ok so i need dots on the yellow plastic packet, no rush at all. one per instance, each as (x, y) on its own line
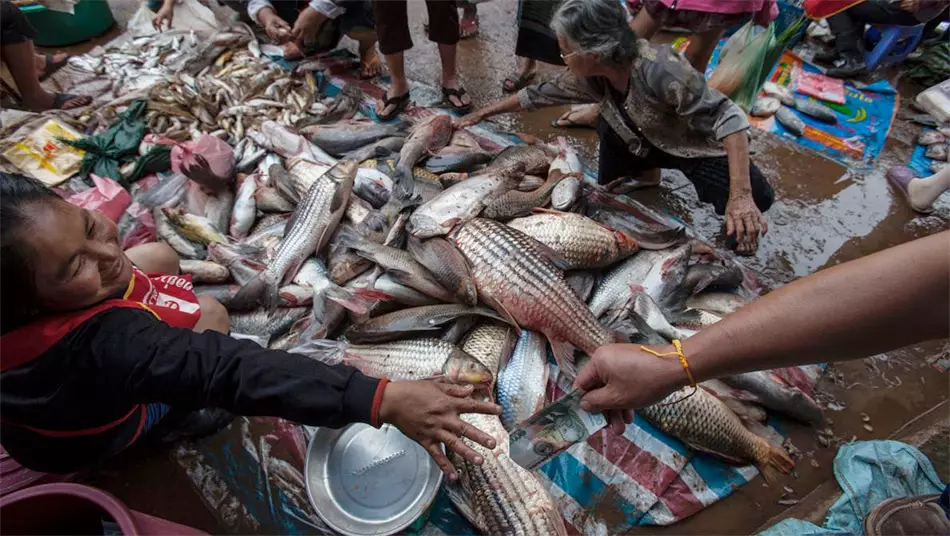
(43, 156)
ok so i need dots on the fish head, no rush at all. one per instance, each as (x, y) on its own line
(461, 367)
(424, 226)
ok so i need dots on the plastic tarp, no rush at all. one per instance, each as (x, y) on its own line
(868, 472)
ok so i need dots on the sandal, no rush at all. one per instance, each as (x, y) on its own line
(62, 99)
(448, 93)
(52, 66)
(399, 106)
(510, 85)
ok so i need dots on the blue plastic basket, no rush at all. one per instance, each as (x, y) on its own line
(788, 14)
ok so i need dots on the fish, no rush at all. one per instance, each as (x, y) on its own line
(765, 107)
(530, 183)
(245, 208)
(530, 159)
(658, 273)
(282, 140)
(268, 199)
(643, 305)
(204, 271)
(373, 186)
(567, 160)
(218, 210)
(937, 151)
(782, 93)
(705, 424)
(270, 323)
(566, 193)
(523, 382)
(167, 232)
(345, 105)
(930, 137)
(242, 268)
(194, 228)
(447, 265)
(459, 329)
(695, 319)
(399, 264)
(581, 282)
(524, 281)
(450, 160)
(650, 229)
(787, 118)
(349, 135)
(491, 343)
(382, 148)
(402, 293)
(309, 229)
(406, 360)
(719, 303)
(459, 203)
(579, 240)
(417, 321)
(426, 137)
(773, 393)
(222, 293)
(813, 108)
(514, 203)
(331, 300)
(295, 295)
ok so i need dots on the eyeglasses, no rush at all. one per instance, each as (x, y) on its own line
(568, 55)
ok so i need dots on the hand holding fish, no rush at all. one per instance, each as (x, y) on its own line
(622, 376)
(306, 26)
(745, 221)
(277, 28)
(165, 13)
(428, 412)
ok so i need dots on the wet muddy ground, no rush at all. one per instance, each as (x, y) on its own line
(824, 215)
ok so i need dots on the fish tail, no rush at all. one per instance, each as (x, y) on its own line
(773, 461)
(256, 292)
(325, 350)
(404, 182)
(350, 238)
(358, 300)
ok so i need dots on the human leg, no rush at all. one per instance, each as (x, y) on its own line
(214, 316)
(444, 30)
(710, 178)
(701, 47)
(359, 24)
(527, 69)
(615, 160)
(920, 192)
(154, 258)
(392, 28)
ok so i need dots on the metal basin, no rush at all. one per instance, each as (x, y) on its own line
(362, 480)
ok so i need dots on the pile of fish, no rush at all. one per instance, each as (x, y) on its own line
(410, 251)
(936, 145)
(340, 245)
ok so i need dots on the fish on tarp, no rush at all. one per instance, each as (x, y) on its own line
(579, 240)
(567, 160)
(937, 151)
(383, 148)
(930, 137)
(765, 107)
(244, 211)
(418, 321)
(705, 424)
(402, 293)
(530, 159)
(194, 228)
(817, 110)
(523, 381)
(272, 323)
(405, 360)
(658, 273)
(426, 137)
(566, 193)
(719, 303)
(349, 135)
(447, 265)
(773, 393)
(167, 232)
(524, 281)
(491, 343)
(309, 229)
(204, 271)
(513, 203)
(650, 229)
(460, 203)
(787, 118)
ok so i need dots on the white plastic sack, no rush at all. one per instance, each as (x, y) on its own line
(189, 15)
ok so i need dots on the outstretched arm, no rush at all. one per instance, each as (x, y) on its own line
(884, 301)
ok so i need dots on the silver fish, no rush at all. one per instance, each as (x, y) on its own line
(426, 137)
(204, 271)
(401, 293)
(184, 247)
(349, 135)
(459, 203)
(418, 321)
(775, 394)
(522, 383)
(657, 273)
(245, 208)
(566, 193)
(382, 148)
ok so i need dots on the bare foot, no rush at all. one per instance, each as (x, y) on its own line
(370, 65)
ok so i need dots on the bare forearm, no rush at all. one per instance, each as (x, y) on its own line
(893, 298)
(737, 152)
(504, 106)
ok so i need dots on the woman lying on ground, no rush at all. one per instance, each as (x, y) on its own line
(656, 112)
(95, 354)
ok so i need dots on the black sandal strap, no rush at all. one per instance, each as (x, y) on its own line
(451, 92)
(396, 101)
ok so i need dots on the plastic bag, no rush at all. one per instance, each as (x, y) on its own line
(167, 193)
(106, 151)
(107, 196)
(741, 58)
(136, 226)
(215, 151)
(189, 15)
(47, 153)
(936, 101)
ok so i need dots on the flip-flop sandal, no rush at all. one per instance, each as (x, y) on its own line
(399, 103)
(60, 100)
(900, 177)
(468, 29)
(510, 85)
(568, 124)
(52, 66)
(448, 93)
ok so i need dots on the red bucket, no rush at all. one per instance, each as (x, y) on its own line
(65, 508)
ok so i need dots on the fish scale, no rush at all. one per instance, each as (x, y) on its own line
(581, 241)
(509, 270)
(416, 359)
(657, 273)
(522, 383)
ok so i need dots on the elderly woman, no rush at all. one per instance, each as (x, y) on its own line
(656, 112)
(99, 349)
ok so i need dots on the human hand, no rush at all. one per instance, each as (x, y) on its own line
(428, 412)
(277, 29)
(624, 377)
(165, 13)
(910, 5)
(308, 21)
(744, 220)
(469, 120)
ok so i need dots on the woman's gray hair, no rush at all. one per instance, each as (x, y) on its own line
(598, 27)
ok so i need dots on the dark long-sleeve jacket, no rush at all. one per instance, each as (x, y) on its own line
(120, 359)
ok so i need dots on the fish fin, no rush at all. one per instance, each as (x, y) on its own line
(462, 500)
(748, 412)
(358, 300)
(348, 237)
(564, 355)
(256, 292)
(506, 316)
(725, 457)
(341, 196)
(552, 256)
(404, 183)
(451, 222)
(542, 210)
(773, 462)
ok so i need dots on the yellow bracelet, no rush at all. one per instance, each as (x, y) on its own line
(678, 346)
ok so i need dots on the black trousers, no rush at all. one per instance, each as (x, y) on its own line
(710, 176)
(848, 26)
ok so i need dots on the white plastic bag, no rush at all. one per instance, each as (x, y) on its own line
(741, 57)
(188, 15)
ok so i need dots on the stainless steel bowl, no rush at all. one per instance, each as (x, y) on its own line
(367, 481)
